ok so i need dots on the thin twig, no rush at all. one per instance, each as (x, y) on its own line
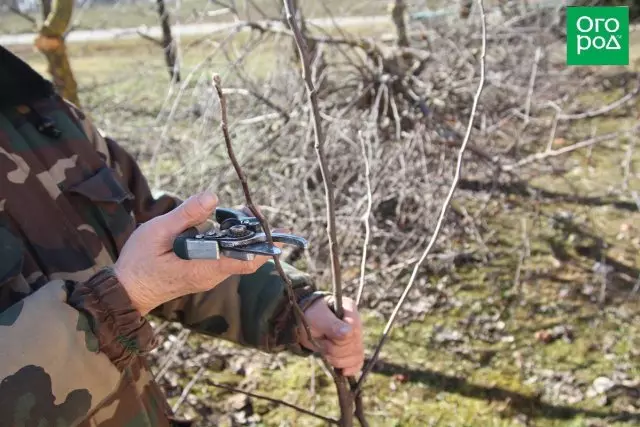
(365, 217)
(443, 211)
(170, 358)
(603, 110)
(263, 222)
(636, 288)
(564, 150)
(149, 38)
(319, 147)
(188, 388)
(273, 400)
(532, 83)
(552, 133)
(23, 15)
(627, 163)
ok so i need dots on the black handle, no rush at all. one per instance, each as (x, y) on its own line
(229, 213)
(228, 217)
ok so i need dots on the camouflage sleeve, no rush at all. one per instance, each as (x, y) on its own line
(64, 370)
(252, 310)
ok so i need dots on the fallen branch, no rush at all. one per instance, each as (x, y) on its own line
(443, 211)
(187, 388)
(578, 145)
(276, 401)
(603, 110)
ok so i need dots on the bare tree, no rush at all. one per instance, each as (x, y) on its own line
(51, 43)
(167, 43)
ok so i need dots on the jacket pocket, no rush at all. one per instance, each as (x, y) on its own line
(105, 205)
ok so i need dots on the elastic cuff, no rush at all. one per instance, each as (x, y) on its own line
(307, 301)
(304, 303)
(122, 332)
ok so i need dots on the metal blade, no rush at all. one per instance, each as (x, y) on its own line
(260, 249)
(290, 239)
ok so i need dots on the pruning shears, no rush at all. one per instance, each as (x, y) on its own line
(239, 236)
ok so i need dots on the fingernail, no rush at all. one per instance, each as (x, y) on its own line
(208, 200)
(344, 330)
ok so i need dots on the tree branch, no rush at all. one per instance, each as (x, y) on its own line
(603, 110)
(319, 140)
(23, 15)
(443, 211)
(564, 150)
(276, 401)
(345, 396)
(263, 222)
(365, 217)
(149, 38)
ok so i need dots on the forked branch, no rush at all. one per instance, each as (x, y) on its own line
(443, 211)
(254, 210)
(276, 401)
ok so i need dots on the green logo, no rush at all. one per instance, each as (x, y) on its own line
(597, 35)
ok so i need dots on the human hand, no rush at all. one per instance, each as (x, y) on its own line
(339, 340)
(152, 274)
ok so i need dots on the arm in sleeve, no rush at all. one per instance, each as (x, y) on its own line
(64, 348)
(252, 310)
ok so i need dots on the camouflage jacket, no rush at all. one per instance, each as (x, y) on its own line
(73, 349)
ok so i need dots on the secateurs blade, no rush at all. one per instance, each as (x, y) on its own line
(240, 237)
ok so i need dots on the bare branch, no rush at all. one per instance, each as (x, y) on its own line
(365, 217)
(276, 401)
(603, 110)
(626, 165)
(23, 15)
(344, 395)
(564, 150)
(443, 211)
(247, 194)
(188, 388)
(149, 38)
(319, 147)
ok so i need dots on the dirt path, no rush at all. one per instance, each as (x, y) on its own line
(189, 29)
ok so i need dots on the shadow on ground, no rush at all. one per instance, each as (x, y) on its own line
(531, 406)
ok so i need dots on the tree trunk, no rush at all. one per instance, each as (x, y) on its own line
(46, 9)
(398, 10)
(50, 42)
(465, 8)
(168, 44)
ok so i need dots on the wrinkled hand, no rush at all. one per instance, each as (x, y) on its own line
(339, 340)
(152, 274)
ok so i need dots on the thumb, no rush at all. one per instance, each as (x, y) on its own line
(327, 323)
(193, 211)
